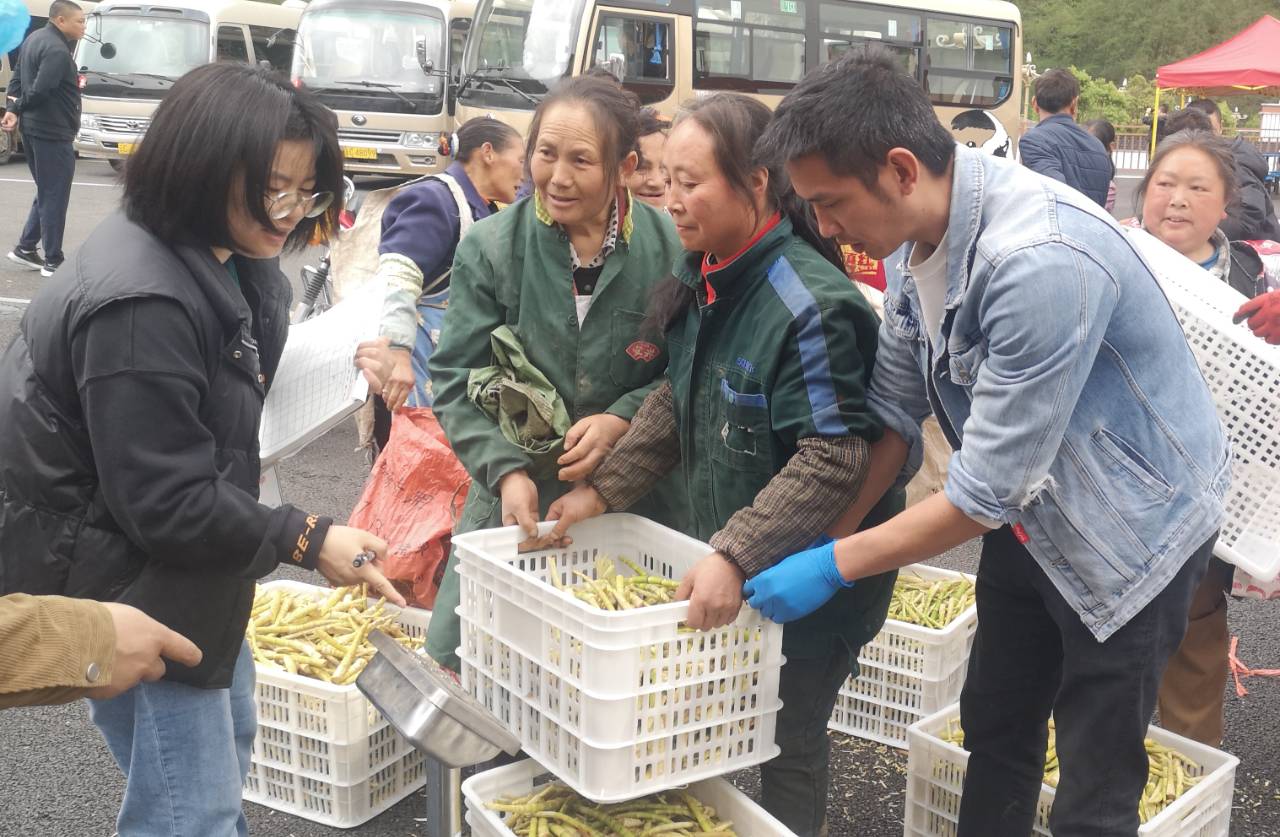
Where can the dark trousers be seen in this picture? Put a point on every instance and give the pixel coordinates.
(53, 165)
(1032, 656)
(794, 785)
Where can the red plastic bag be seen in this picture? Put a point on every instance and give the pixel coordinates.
(413, 496)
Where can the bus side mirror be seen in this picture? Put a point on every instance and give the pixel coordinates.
(108, 51)
(420, 47)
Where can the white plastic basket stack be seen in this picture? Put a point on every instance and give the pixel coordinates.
(322, 751)
(617, 704)
(519, 779)
(936, 771)
(1243, 373)
(906, 672)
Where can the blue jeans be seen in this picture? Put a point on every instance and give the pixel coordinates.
(53, 165)
(185, 754)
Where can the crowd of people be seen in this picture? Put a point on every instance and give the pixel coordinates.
(676, 292)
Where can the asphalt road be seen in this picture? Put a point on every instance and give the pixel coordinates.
(57, 779)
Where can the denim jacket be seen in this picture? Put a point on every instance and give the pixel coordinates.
(1079, 415)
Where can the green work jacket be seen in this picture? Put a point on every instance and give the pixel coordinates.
(513, 268)
(784, 352)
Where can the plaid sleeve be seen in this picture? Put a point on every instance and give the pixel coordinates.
(647, 453)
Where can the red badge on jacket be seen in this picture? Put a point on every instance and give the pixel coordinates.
(643, 351)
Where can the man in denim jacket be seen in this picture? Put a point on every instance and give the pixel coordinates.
(1088, 453)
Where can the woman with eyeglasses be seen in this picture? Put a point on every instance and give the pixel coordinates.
(130, 402)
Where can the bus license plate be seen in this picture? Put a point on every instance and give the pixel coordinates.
(125, 148)
(356, 153)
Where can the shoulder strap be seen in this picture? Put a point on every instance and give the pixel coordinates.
(464, 225)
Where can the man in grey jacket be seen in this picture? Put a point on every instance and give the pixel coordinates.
(44, 95)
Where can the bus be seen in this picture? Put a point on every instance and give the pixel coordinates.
(11, 144)
(965, 53)
(383, 67)
(142, 49)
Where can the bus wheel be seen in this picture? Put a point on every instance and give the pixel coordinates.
(7, 144)
(116, 165)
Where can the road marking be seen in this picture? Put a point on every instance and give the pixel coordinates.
(9, 300)
(73, 183)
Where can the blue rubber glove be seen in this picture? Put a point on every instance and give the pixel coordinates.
(798, 584)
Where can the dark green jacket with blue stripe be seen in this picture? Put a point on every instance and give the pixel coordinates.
(783, 353)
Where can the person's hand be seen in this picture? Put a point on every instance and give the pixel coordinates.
(9, 122)
(142, 646)
(1263, 314)
(587, 444)
(714, 590)
(519, 497)
(798, 584)
(396, 389)
(375, 362)
(337, 561)
(581, 503)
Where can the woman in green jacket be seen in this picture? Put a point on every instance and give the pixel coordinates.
(569, 270)
(765, 415)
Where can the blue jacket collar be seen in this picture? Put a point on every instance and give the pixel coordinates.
(479, 208)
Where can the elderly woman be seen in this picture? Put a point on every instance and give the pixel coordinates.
(131, 402)
(569, 271)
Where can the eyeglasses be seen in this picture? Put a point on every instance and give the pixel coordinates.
(282, 205)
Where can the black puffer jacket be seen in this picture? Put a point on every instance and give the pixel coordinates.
(129, 470)
(1251, 216)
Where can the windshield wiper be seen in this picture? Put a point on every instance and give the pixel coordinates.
(107, 76)
(390, 88)
(156, 76)
(485, 73)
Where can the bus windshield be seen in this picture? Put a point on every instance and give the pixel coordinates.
(151, 46)
(373, 53)
(517, 49)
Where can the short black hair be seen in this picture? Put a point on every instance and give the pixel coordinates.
(220, 124)
(474, 133)
(1103, 130)
(1207, 106)
(62, 8)
(1188, 119)
(1056, 90)
(853, 111)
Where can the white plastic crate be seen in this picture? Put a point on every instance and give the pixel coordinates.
(936, 770)
(323, 751)
(1243, 373)
(520, 778)
(906, 672)
(616, 703)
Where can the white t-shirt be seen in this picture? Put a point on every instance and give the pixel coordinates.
(931, 286)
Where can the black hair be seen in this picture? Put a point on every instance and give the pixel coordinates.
(735, 123)
(1187, 119)
(1205, 140)
(1056, 90)
(603, 73)
(972, 119)
(652, 122)
(1207, 106)
(62, 8)
(200, 145)
(852, 112)
(1103, 130)
(474, 133)
(614, 112)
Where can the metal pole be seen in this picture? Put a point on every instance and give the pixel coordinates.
(444, 799)
(1155, 123)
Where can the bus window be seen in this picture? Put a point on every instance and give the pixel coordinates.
(844, 25)
(749, 45)
(968, 63)
(231, 45)
(638, 51)
(273, 45)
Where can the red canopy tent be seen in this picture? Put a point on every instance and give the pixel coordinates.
(1247, 63)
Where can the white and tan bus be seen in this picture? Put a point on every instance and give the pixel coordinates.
(143, 48)
(383, 67)
(965, 53)
(39, 11)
